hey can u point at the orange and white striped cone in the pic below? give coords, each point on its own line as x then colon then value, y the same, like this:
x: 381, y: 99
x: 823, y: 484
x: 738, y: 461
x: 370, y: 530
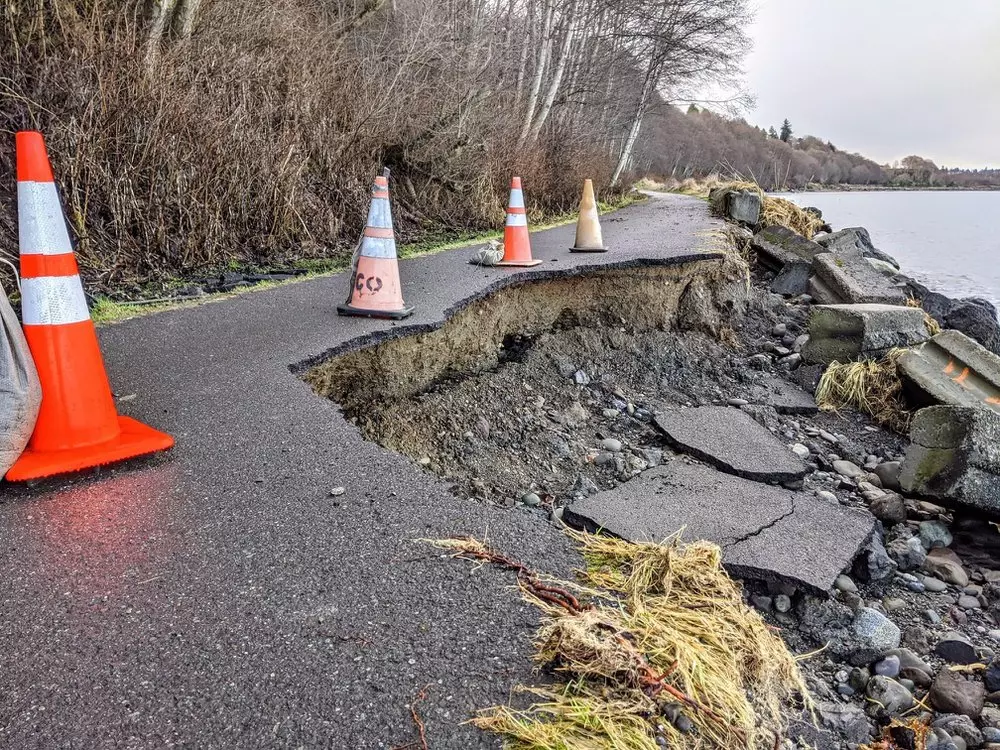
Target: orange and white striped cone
x: 588, y: 225
x: 375, y: 288
x: 516, y: 242
x: 78, y: 426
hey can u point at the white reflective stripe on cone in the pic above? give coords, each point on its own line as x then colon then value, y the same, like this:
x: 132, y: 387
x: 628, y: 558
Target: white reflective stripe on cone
x: 378, y: 247
x: 516, y: 198
x: 40, y: 221
x: 53, y: 300
x: 517, y: 220
x: 380, y: 214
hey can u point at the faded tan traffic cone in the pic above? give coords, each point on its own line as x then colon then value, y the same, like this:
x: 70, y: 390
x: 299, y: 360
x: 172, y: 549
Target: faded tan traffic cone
x: 588, y: 225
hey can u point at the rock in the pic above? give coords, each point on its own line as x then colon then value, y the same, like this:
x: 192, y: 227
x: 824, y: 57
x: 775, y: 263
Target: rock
x: 762, y: 603
x: 968, y: 602
x: 845, y: 277
x: 951, y: 693
x: 946, y: 565
x: 848, y: 332
x: 889, y: 509
x: 857, y: 239
x: 653, y: 456
x: 955, y: 648
x: 991, y: 677
x: 918, y: 677
x: 908, y: 554
x: 960, y: 727
x: 893, y: 697
x: 955, y: 454
x: 847, y: 722
x: 769, y: 534
x: 531, y: 499
x: 847, y: 469
x: 908, y: 659
x: 611, y: 444
x: 800, y: 450
x: 888, y: 474
x: 977, y: 319
x: 732, y: 441
x: 581, y: 378
x: 584, y: 487
x: 934, y: 585
x: 337, y: 491
x: 934, y: 534
x: 789, y: 255
x: 782, y: 603
x: 875, y: 565
x: 888, y: 667
x: 844, y: 583
x: 827, y: 496
x: 876, y: 634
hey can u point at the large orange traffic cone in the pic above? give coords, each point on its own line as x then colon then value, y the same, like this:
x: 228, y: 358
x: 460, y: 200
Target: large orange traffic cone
x: 77, y: 426
x: 516, y: 243
x: 588, y: 225
x: 375, y: 288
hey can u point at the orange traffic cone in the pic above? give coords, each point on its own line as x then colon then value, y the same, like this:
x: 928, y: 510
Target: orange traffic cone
x: 588, y: 225
x: 375, y: 288
x: 516, y: 243
x: 77, y: 426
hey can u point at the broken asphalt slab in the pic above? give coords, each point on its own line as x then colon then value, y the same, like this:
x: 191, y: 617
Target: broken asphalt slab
x: 732, y: 441
x: 218, y: 596
x: 766, y: 533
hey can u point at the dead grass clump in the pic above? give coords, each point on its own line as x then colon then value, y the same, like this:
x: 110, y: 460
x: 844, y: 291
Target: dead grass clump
x: 871, y: 386
x: 663, y: 646
x: 932, y: 326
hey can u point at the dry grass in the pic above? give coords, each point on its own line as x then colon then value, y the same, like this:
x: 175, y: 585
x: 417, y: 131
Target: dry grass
x: 932, y: 326
x: 664, y: 609
x: 873, y: 387
x: 254, y: 143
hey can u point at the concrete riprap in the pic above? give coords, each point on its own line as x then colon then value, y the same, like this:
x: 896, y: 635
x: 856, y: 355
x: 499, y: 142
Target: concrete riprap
x: 952, y: 369
x: 954, y: 454
x: 844, y: 333
x: 846, y: 277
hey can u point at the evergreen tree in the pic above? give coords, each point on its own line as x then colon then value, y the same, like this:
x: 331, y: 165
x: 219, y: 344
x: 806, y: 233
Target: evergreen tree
x: 786, y: 131
x: 772, y: 133
x: 693, y: 110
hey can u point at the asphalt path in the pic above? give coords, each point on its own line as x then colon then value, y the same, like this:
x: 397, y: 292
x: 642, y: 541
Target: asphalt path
x: 218, y: 597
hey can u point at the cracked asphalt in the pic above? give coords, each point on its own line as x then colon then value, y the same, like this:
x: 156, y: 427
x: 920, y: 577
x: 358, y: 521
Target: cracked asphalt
x: 218, y: 596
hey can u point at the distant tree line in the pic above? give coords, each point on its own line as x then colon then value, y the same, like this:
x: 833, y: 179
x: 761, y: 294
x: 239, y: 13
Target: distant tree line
x: 697, y: 143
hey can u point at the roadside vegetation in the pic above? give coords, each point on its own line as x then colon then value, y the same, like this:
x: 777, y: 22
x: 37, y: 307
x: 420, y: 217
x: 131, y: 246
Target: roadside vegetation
x: 192, y: 136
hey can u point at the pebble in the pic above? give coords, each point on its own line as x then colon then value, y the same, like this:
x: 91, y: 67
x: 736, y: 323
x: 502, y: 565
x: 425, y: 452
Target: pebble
x: 828, y: 437
x: 610, y: 413
x: 611, y: 444
x: 800, y: 450
x: 826, y: 495
x: 531, y: 499
x: 932, y: 617
x: 737, y: 402
x: 844, y: 583
x: 935, y: 585
x: 968, y: 602
x: 763, y: 603
x: 934, y: 534
x: 782, y: 603
x: 892, y: 604
x: 956, y: 648
x: 894, y: 697
x: 337, y: 491
x: 779, y: 330
x: 888, y: 667
x: 847, y: 469
x: 581, y: 378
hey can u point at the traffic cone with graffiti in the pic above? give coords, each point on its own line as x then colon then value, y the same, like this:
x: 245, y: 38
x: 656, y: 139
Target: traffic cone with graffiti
x: 78, y: 426
x: 588, y: 226
x: 516, y: 242
x: 375, y: 288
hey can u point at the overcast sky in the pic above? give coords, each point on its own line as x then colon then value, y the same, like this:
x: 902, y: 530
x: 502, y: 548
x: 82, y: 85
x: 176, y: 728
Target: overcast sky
x: 886, y: 78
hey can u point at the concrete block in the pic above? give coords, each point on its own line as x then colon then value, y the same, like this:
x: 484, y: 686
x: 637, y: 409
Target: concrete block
x: 789, y: 255
x: 952, y: 369
x: 856, y: 238
x: 954, y: 454
x: 844, y: 333
x: 847, y: 277
x: 741, y: 206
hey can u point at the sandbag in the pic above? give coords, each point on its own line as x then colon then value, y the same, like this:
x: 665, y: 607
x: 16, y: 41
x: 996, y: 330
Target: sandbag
x: 20, y: 391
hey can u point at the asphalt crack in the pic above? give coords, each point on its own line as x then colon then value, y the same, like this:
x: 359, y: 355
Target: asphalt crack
x: 763, y: 528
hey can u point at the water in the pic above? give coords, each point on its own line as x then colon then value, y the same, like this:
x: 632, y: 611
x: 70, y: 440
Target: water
x: 947, y: 240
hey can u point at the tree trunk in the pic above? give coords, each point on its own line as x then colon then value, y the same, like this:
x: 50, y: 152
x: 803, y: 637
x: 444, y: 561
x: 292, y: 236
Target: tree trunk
x: 648, y: 87
x: 543, y: 61
x: 550, y: 96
